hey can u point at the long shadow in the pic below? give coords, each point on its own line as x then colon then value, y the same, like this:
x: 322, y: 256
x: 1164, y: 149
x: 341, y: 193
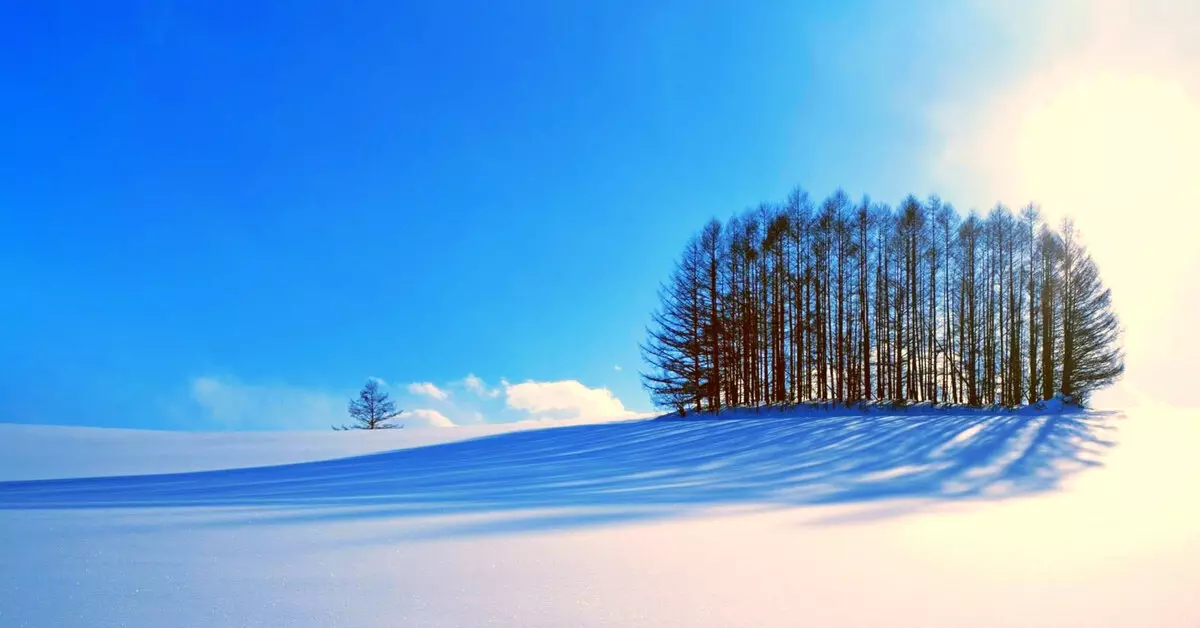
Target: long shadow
x: 642, y: 469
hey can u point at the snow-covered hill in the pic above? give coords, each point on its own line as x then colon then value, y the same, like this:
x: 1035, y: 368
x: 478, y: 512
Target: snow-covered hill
x: 35, y: 452
x: 921, y: 519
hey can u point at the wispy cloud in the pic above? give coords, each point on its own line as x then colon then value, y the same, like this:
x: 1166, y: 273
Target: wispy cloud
x: 428, y: 390
x: 229, y: 404
x: 476, y: 385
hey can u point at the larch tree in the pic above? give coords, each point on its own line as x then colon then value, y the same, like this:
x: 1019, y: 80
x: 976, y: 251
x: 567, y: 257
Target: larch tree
x: 371, y: 410
x: 1092, y: 357
x: 673, y: 347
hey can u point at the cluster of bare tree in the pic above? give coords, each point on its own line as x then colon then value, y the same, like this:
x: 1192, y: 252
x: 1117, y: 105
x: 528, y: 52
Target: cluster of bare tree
x: 850, y: 302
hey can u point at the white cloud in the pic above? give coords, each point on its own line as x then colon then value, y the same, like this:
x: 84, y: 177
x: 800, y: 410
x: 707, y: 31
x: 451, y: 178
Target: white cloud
x: 477, y: 386
x: 428, y: 390
x: 229, y: 404
x: 425, y: 417
x: 567, y: 399
x: 617, y: 368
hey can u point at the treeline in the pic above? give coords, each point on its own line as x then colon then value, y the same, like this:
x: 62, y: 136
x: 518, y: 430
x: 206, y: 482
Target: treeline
x: 848, y: 302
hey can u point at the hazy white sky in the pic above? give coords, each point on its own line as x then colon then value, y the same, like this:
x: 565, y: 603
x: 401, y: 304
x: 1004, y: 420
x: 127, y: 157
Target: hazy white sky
x: 1101, y: 122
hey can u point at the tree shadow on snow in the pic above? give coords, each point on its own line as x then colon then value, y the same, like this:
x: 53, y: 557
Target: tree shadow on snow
x: 599, y: 474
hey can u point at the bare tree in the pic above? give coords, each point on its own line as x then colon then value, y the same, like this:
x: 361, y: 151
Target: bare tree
x: 675, y: 345
x: 371, y: 410
x: 1091, y: 355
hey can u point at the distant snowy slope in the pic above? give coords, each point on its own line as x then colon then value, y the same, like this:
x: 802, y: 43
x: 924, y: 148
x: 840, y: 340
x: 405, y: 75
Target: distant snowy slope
x: 30, y: 452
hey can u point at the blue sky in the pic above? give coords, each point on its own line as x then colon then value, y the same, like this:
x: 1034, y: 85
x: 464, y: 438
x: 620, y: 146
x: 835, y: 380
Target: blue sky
x: 228, y: 215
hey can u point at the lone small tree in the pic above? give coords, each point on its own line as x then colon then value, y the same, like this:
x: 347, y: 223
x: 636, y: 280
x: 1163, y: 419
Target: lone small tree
x: 372, y: 410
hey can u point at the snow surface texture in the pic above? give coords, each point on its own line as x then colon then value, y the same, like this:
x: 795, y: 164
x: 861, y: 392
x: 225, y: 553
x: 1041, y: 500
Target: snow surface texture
x: 898, y: 520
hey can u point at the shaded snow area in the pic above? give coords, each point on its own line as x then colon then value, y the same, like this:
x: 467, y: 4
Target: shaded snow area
x: 915, y: 519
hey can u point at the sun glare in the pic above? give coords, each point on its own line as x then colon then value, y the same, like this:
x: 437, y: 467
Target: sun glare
x: 1112, y: 152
